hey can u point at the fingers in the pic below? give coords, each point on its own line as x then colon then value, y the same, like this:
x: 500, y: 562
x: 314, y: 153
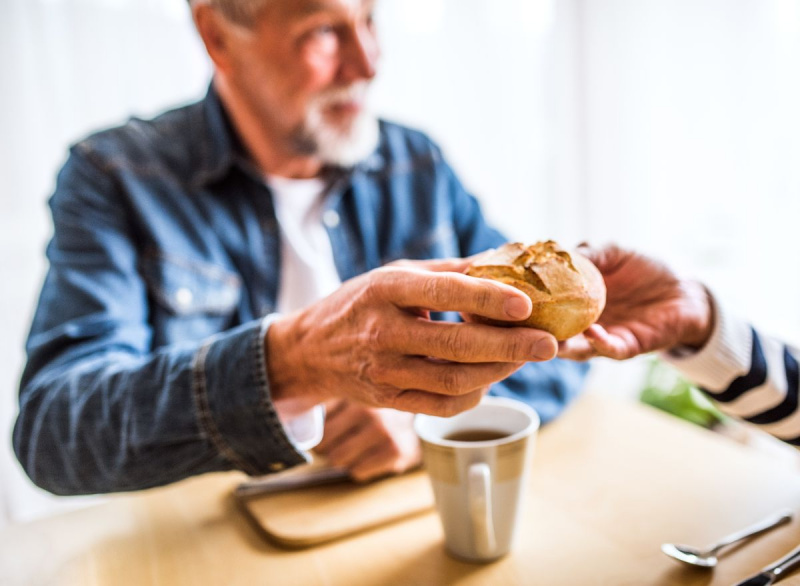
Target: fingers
x: 455, y: 265
x: 346, y: 419
x: 334, y: 407
x: 353, y: 447
x: 606, y: 258
x: 449, y: 291
x: 577, y: 348
x: 374, y: 466
x: 382, y: 462
x: 416, y: 401
x: 371, y: 442
x: 617, y: 343
x: 469, y: 342
x: 446, y: 378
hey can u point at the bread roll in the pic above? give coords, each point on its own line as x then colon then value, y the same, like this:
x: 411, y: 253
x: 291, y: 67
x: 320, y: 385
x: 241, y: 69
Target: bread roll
x: 566, y: 289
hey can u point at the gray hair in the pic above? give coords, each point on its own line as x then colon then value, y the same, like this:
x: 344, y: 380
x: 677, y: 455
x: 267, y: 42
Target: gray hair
x: 239, y: 11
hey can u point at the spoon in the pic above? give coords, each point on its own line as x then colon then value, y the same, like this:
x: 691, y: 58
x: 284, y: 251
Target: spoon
x: 707, y: 558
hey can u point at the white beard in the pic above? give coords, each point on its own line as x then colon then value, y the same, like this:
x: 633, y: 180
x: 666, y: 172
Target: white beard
x: 343, y: 147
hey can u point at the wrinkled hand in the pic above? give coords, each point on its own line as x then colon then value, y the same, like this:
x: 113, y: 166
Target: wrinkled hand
x: 372, y: 341
x: 648, y: 308
x: 369, y: 442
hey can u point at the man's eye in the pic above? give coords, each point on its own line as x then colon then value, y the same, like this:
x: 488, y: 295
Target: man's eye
x: 323, y: 30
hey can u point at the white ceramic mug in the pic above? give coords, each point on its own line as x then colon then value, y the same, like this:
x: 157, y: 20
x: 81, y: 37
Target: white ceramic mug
x: 478, y: 484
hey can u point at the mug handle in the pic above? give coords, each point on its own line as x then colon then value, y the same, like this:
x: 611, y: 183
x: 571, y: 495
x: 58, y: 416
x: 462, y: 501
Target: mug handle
x: 480, y: 508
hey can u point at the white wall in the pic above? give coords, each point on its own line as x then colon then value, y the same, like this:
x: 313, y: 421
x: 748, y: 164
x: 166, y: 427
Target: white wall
x: 693, y: 142
x: 494, y: 83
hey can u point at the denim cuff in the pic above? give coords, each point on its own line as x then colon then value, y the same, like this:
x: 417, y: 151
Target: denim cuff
x: 233, y: 403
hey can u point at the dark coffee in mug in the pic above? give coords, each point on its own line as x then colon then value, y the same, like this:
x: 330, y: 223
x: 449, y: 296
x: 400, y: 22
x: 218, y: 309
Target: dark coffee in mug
x: 475, y: 435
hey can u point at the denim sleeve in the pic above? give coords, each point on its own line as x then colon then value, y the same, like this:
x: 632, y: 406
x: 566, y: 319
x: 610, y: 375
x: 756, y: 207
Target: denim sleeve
x: 546, y: 386
x: 99, y: 409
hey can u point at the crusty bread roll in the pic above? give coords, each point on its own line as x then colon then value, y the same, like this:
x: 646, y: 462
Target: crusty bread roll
x: 566, y: 289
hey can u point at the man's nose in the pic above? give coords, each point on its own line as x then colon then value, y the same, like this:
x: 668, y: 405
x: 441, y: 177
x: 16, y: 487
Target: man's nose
x: 361, y: 54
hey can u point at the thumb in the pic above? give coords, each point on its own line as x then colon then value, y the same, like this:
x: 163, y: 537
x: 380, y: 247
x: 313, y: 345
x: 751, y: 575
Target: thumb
x: 439, y: 265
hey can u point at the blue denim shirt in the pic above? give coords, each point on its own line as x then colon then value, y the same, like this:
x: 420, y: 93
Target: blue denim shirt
x: 146, y: 353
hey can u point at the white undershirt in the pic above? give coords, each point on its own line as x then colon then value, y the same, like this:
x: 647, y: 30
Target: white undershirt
x: 308, y: 272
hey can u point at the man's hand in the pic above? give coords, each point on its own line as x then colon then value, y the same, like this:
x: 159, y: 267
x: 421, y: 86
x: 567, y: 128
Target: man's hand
x: 372, y: 341
x: 648, y: 308
x: 369, y: 442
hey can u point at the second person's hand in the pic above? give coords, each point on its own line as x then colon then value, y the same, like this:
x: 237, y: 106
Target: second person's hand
x: 648, y: 308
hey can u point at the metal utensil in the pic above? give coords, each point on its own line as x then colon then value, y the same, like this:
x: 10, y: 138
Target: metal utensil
x: 775, y: 572
x: 707, y: 558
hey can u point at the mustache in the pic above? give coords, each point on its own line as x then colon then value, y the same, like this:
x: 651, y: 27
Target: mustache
x: 356, y: 92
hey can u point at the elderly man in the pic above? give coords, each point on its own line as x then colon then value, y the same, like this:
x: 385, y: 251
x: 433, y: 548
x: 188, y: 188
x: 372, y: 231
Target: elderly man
x: 218, y: 273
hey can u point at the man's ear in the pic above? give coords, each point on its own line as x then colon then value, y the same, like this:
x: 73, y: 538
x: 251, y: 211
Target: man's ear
x: 215, y: 32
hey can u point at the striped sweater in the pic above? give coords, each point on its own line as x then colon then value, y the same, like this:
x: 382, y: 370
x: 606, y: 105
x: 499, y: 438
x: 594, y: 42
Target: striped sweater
x: 750, y: 375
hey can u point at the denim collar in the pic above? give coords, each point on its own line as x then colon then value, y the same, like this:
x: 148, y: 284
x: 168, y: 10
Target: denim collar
x: 220, y: 145
x: 222, y: 148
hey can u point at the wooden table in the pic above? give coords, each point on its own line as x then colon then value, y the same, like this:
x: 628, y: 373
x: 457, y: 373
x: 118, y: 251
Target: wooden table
x: 611, y: 482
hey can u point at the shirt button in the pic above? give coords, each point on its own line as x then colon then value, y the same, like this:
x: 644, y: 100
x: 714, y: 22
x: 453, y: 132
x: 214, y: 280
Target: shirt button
x: 330, y: 218
x: 184, y: 297
x: 277, y: 466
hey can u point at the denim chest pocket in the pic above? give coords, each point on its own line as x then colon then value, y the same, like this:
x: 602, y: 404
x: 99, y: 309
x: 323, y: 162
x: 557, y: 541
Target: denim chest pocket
x: 437, y: 242
x: 191, y: 300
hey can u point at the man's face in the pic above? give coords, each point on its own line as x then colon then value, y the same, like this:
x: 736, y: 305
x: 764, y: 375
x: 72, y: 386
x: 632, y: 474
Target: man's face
x: 304, y: 67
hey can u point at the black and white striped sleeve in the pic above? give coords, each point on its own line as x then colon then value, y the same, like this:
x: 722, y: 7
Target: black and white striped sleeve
x: 750, y: 375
